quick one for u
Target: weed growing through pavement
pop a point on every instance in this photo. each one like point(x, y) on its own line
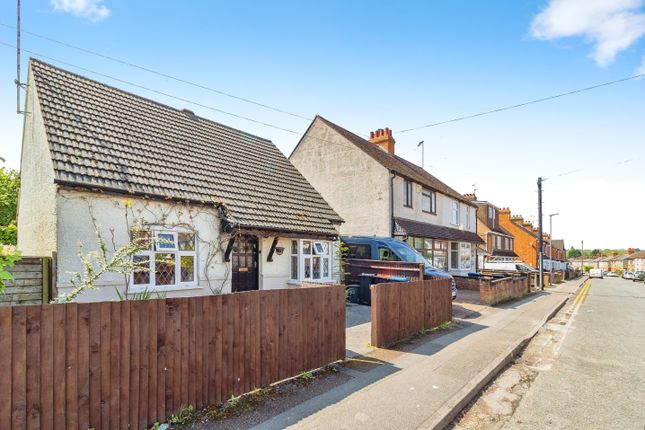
point(233, 401)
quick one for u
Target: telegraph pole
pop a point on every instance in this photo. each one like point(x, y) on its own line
point(540, 238)
point(582, 257)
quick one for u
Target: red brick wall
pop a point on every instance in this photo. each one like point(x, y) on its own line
point(525, 243)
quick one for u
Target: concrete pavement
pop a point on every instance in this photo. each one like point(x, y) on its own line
point(425, 386)
point(598, 378)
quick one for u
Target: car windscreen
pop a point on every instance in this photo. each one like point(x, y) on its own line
point(409, 254)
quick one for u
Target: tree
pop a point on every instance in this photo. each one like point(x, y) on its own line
point(573, 253)
point(595, 253)
point(9, 187)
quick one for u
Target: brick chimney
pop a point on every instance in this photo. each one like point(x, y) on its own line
point(383, 138)
point(470, 197)
point(630, 251)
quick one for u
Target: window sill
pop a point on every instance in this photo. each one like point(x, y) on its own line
point(429, 213)
point(164, 289)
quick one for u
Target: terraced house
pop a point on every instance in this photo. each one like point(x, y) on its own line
point(216, 209)
point(378, 193)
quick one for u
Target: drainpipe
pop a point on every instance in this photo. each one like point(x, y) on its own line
point(392, 176)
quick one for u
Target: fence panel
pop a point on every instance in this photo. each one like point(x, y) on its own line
point(32, 279)
point(129, 364)
point(401, 309)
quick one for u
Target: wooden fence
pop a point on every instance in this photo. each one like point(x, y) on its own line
point(401, 309)
point(31, 282)
point(356, 267)
point(129, 364)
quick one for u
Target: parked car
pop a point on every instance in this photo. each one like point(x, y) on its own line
point(389, 249)
point(596, 273)
point(639, 276)
point(628, 275)
point(611, 274)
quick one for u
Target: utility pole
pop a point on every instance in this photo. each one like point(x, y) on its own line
point(423, 152)
point(540, 238)
point(582, 257)
point(551, 246)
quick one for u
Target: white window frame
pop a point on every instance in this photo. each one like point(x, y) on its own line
point(317, 251)
point(150, 254)
point(468, 217)
point(462, 247)
point(455, 215)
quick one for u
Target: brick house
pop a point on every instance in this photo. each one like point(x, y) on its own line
point(499, 242)
point(525, 235)
point(636, 261)
point(378, 193)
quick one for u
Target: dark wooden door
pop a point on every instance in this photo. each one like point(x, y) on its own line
point(245, 264)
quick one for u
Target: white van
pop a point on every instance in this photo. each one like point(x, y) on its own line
point(508, 266)
point(595, 273)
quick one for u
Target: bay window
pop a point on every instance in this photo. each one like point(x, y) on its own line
point(465, 256)
point(167, 259)
point(311, 260)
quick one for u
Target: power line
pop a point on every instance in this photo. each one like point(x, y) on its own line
point(246, 118)
point(543, 99)
point(162, 74)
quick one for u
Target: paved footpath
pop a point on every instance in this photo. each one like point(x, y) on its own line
point(423, 387)
point(598, 379)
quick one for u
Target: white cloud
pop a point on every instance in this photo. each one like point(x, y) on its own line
point(610, 25)
point(92, 10)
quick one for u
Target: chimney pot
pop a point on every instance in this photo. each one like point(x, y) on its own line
point(383, 138)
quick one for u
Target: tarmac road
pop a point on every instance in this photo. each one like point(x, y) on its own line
point(598, 378)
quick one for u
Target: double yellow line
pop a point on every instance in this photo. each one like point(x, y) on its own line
point(582, 295)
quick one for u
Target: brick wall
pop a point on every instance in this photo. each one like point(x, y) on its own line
point(501, 290)
point(493, 291)
point(525, 242)
point(464, 283)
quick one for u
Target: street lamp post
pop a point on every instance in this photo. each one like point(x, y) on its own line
point(551, 246)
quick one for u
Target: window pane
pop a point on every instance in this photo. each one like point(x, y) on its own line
point(325, 267)
point(186, 241)
point(187, 273)
point(307, 273)
point(294, 267)
point(426, 204)
point(164, 269)
point(427, 243)
point(165, 241)
point(141, 275)
point(294, 247)
point(306, 247)
point(418, 243)
point(316, 268)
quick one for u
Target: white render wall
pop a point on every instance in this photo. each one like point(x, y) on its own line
point(75, 226)
point(76, 210)
point(352, 182)
point(443, 216)
point(37, 200)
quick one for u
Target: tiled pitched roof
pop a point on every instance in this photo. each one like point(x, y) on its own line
point(397, 164)
point(637, 256)
point(106, 138)
point(423, 229)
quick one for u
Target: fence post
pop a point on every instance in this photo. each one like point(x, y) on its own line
point(46, 279)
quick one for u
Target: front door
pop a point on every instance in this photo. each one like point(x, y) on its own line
point(245, 264)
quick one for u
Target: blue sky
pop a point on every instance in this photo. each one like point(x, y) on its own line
point(367, 65)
